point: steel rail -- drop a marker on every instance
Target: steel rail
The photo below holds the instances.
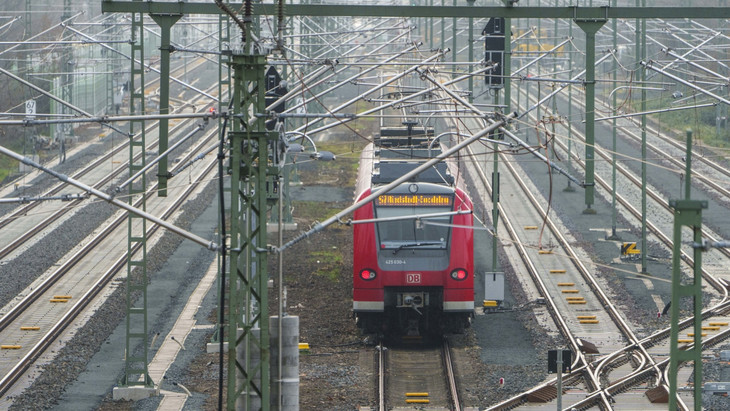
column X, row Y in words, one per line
column 637, row 214
column 21, row 211
column 640, row 344
column 381, row 377
column 685, row 257
column 394, row 102
column 580, row 364
column 395, row 78
column 612, row 310
column 13, row 245
column 641, row 374
column 685, row 323
column 12, row 313
column 16, row 372
column 450, row 376
column 299, row 88
column 78, row 174
column 680, row 146
column 584, row 270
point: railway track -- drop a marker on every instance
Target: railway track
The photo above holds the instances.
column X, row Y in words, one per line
column 663, row 234
column 641, row 361
column 14, row 238
column 417, row 376
column 40, row 317
column 549, row 286
column 642, row 371
column 718, row 311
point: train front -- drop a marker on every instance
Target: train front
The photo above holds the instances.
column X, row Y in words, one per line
column 414, row 267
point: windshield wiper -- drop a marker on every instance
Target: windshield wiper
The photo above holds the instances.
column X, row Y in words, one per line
column 417, row 244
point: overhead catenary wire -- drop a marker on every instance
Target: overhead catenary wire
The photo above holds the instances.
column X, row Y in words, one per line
column 504, row 130
column 184, row 233
column 390, row 186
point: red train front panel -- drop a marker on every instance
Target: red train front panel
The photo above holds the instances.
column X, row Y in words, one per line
column 414, row 275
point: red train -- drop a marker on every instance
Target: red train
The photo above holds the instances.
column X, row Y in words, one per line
column 413, row 271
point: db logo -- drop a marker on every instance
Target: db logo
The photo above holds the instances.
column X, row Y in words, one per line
column 413, row 278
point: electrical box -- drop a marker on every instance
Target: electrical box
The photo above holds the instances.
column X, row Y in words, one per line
column 494, row 286
column 717, row 388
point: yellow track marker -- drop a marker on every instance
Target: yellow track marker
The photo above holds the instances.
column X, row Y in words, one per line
column 418, row 401
column 682, row 340
column 62, row 297
column 59, row 300
column 574, row 298
column 530, row 227
column 706, row 328
column 557, row 271
column 10, row 347
column 589, row 321
column 489, row 303
column 26, row 328
column 569, row 291
column 416, row 394
column 565, row 284
column 693, row 334
column 577, row 302
column 718, row 324
column 303, row 346
column 545, row 251
column 586, row 317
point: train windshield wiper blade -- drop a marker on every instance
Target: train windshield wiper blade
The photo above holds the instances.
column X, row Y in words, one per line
column 416, row 244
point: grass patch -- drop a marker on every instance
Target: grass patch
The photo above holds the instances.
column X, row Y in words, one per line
column 700, row 120
column 342, row 172
column 8, row 166
column 315, row 210
column 328, row 263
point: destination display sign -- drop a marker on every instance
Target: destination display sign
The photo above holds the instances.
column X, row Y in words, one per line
column 414, row 200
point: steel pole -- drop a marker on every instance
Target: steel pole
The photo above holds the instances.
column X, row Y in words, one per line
column 590, row 28
column 613, row 235
column 643, row 147
column 165, row 22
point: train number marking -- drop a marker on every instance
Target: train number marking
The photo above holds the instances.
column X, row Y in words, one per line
column 413, row 278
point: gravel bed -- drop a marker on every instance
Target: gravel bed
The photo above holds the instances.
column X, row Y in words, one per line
column 714, row 370
column 44, row 254
column 73, row 358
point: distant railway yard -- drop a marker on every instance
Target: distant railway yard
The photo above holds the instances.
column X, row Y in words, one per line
column 383, row 206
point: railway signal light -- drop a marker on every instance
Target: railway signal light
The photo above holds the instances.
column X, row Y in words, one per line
column 459, row 274
column 567, row 358
column 367, row 274
column 275, row 88
column 213, row 113
column 494, row 50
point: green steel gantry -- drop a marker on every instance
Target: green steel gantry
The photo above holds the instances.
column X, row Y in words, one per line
column 249, row 142
column 687, row 213
column 248, row 319
column 135, row 370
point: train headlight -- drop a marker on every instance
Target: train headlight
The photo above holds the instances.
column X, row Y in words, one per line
column 367, row 274
column 459, row 274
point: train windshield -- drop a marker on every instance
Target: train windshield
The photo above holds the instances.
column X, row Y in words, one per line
column 411, row 233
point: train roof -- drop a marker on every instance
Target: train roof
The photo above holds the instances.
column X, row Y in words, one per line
column 404, row 137
column 399, row 150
